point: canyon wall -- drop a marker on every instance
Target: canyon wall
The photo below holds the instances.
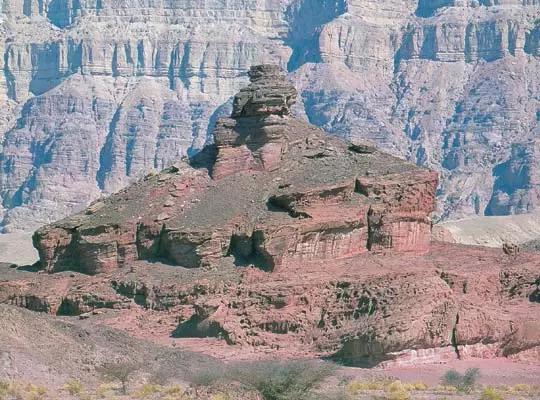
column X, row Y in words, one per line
column 96, row 93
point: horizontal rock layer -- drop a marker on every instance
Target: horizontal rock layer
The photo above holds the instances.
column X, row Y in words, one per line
column 109, row 90
column 301, row 195
column 450, row 302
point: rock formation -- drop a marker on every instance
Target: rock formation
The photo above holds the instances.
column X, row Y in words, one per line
column 97, row 93
column 283, row 239
column 281, row 191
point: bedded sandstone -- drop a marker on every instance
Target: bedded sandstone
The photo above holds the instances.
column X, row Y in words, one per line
column 279, row 191
column 452, row 302
column 285, row 239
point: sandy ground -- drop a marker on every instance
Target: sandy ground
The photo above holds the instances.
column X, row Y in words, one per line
column 16, row 248
column 493, row 231
column 494, row 371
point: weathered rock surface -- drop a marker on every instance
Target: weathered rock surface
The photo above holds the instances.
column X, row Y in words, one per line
column 454, row 301
column 267, row 94
column 97, row 93
column 286, row 239
column 281, row 191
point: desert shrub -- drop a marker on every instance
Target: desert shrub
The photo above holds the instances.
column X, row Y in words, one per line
column 147, row 390
column 395, row 390
column 12, row 388
column 38, row 389
column 408, row 387
column 205, row 377
column 4, row 388
column 463, row 383
column 173, row 393
column 294, row 380
column 393, row 386
column 104, row 390
column 35, row 392
column 73, row 387
column 118, row 372
column 442, row 389
column 490, row 393
column 419, row 386
column 520, row 387
column 355, row 387
column 220, row 396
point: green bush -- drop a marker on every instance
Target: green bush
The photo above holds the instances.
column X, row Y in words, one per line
column 294, row 380
column 463, row 383
column 118, row 372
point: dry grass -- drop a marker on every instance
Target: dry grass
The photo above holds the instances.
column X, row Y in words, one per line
column 220, row 396
column 355, row 387
column 491, row 393
column 373, row 387
column 73, row 387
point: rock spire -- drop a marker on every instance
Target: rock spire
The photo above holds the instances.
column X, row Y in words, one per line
column 268, row 93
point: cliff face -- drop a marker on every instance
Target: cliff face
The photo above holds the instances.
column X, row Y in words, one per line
column 283, row 238
column 98, row 92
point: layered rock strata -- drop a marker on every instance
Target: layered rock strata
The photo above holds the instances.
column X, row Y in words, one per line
column 280, row 191
column 97, row 93
column 285, row 239
column 452, row 302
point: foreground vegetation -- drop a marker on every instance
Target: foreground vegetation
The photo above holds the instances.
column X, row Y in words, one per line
column 300, row 380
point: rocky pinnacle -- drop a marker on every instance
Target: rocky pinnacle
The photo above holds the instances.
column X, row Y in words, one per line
column 268, row 93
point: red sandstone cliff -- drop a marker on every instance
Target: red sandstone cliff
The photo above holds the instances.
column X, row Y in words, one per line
column 284, row 238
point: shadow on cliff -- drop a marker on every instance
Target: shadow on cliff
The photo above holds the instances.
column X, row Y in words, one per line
column 200, row 327
column 305, row 20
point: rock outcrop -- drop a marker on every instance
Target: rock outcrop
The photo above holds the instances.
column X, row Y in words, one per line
column 97, row 93
column 284, row 239
column 454, row 301
column 281, row 192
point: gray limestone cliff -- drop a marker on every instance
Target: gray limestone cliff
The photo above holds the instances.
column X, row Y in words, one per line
column 95, row 93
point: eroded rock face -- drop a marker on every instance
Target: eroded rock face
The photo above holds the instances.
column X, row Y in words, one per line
column 281, row 237
column 268, row 94
column 400, row 308
column 281, row 191
column 97, row 93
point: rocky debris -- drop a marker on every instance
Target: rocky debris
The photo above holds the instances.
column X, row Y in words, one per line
column 282, row 191
column 69, row 349
column 511, row 249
